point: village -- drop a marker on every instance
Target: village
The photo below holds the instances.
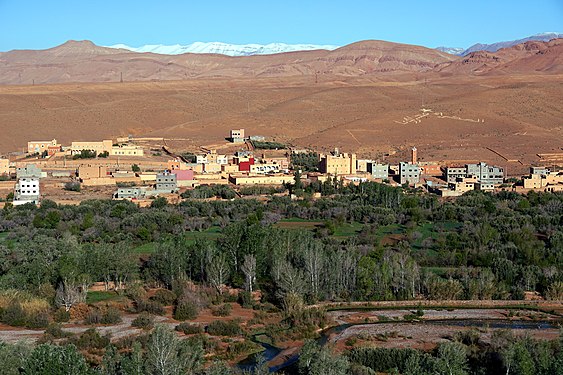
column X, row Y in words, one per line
column 141, row 169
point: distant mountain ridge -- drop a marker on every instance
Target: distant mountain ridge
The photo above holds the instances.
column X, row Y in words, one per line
column 225, row 48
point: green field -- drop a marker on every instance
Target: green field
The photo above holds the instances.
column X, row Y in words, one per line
column 100, row 296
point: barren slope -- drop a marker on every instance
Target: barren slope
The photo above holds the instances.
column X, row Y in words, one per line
column 521, row 114
column 85, row 62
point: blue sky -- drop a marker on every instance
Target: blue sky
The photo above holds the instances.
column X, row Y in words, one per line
column 38, row 24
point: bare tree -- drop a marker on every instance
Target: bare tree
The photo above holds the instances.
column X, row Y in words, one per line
column 218, row 271
column 67, row 295
column 248, row 267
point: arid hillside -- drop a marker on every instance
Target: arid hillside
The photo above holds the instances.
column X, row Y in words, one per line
column 366, row 97
column 82, row 61
column 529, row 57
column 516, row 117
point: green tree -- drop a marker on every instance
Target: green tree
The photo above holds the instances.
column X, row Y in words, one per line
column 50, row 359
column 168, row 355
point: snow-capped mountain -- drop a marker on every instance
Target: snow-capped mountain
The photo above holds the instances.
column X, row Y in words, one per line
column 544, row 37
column 225, row 48
column 451, row 50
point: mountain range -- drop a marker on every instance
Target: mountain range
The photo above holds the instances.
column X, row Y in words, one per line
column 83, row 61
column 273, row 48
column 224, row 48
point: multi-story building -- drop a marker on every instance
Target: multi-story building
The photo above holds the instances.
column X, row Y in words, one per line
column 336, row 163
column 482, row 172
column 409, row 173
column 539, row 170
column 377, row 170
column 166, row 182
column 453, row 173
column 97, row 147
column 26, row 191
column 486, row 173
column 237, row 136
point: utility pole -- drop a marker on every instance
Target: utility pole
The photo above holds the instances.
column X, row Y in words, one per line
column 121, row 77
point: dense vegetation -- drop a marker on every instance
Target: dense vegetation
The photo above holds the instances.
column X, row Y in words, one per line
column 365, row 242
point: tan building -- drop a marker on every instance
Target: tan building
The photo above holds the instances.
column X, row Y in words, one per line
column 540, row 181
column 87, row 171
column 126, row 150
column 260, row 180
column 41, row 146
column 237, row 135
column 336, row 163
column 98, row 147
column 4, row 167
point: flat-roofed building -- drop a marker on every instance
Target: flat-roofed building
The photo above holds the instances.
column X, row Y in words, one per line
column 264, row 168
column 98, row 147
column 237, row 136
column 30, row 170
column 26, row 191
column 453, row 173
column 378, row 170
column 4, row 167
column 486, row 173
column 39, row 147
column 166, row 182
column 92, row 171
column 409, row 173
column 337, row 163
column 126, row 150
column 261, row 180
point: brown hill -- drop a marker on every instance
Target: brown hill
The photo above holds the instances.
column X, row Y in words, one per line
column 83, row 61
column 528, row 57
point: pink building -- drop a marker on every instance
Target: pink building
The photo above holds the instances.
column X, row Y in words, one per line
column 183, row 175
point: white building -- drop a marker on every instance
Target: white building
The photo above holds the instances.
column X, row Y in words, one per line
column 26, row 191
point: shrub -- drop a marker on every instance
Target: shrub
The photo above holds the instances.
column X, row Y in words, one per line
column 224, row 328
column 14, row 315
column 93, row 317
column 38, row 320
column 152, row 307
column 111, row 316
column 91, row 339
column 189, row 328
column 186, row 310
column 61, row 315
column 245, row 299
column 223, row 310
column 56, row 331
column 143, row 321
column 164, row 296
column 72, row 186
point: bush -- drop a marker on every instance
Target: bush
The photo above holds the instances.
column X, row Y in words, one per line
column 61, row 315
column 186, row 310
column 91, row 339
column 55, row 331
column 224, row 328
column 111, row 316
column 72, row 186
column 152, row 307
column 245, row 299
column 223, row 310
column 14, row 315
column 164, row 296
column 93, row 317
column 38, row 320
column 143, row 321
column 189, row 328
